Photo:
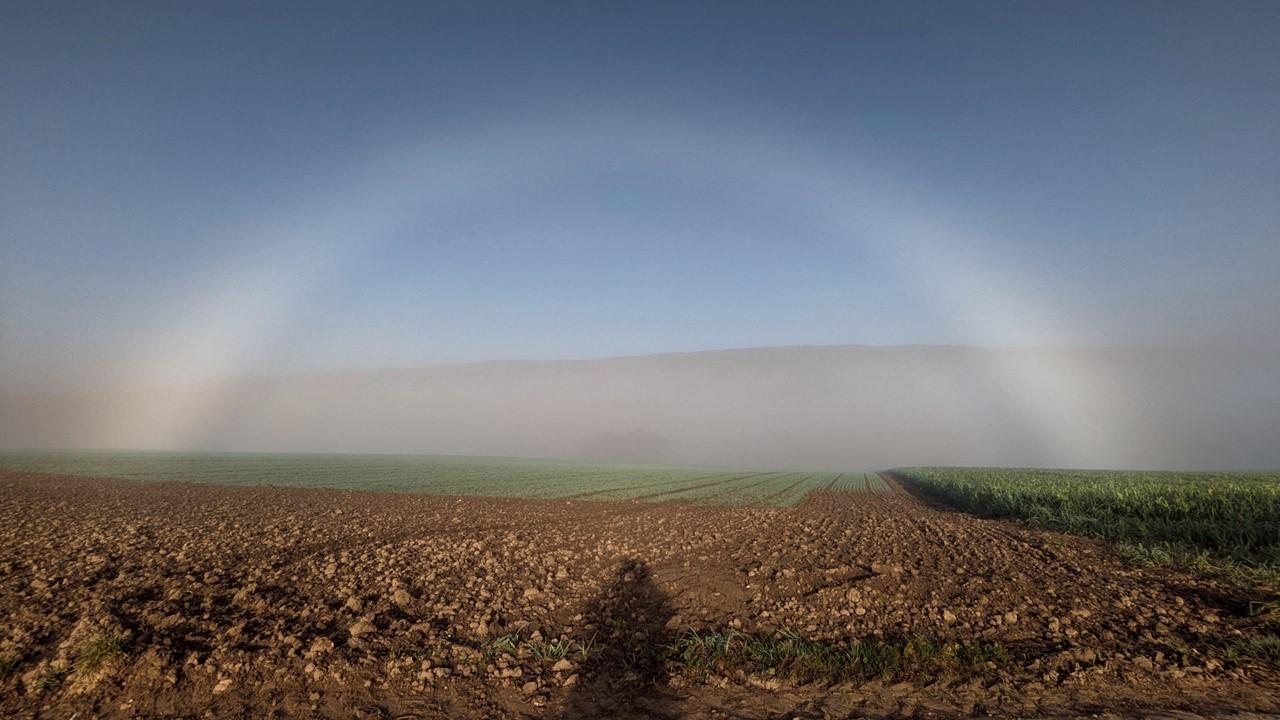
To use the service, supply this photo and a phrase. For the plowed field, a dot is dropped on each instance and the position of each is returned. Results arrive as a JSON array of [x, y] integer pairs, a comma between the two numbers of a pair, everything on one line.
[[124, 599]]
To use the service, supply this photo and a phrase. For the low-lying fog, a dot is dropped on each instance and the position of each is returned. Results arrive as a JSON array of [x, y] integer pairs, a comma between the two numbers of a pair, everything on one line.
[[849, 407]]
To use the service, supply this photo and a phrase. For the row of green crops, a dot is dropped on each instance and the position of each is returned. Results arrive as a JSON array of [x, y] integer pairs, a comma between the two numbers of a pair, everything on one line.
[[861, 482], [1234, 516], [448, 475]]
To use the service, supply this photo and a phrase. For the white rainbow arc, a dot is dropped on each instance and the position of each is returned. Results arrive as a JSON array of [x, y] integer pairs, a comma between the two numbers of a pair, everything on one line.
[[298, 250]]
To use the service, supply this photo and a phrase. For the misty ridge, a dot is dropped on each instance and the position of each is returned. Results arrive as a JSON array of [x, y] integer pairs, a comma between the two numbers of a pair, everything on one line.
[[837, 407]]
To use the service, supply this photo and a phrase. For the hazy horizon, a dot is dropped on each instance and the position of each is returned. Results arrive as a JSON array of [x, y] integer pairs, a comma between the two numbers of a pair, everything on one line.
[[811, 407]]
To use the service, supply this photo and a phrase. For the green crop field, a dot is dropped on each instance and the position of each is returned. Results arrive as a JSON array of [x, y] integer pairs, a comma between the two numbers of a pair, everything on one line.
[[451, 475], [1200, 517]]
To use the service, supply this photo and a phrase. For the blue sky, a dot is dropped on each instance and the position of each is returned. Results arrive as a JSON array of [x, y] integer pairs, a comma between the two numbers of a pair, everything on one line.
[[233, 189]]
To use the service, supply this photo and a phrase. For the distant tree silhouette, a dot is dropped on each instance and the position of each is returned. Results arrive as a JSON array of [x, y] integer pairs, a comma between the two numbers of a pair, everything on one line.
[[635, 446]]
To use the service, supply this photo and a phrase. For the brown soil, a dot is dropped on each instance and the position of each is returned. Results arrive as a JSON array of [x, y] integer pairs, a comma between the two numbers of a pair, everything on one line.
[[270, 602]]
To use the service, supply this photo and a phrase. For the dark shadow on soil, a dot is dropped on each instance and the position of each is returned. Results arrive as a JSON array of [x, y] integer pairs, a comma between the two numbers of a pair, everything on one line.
[[629, 620]]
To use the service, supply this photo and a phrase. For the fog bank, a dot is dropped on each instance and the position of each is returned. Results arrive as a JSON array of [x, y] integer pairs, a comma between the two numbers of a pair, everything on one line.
[[847, 407]]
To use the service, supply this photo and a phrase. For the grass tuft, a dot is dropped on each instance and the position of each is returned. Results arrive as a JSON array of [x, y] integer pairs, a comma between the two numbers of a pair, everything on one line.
[[1267, 610], [504, 645], [1263, 648], [552, 650], [51, 678], [96, 652]]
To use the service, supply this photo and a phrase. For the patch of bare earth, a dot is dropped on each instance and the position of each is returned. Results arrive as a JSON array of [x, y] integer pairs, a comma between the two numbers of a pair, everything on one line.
[[129, 599]]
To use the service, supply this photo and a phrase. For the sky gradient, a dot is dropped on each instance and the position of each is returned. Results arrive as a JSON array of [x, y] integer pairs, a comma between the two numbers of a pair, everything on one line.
[[204, 191]]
